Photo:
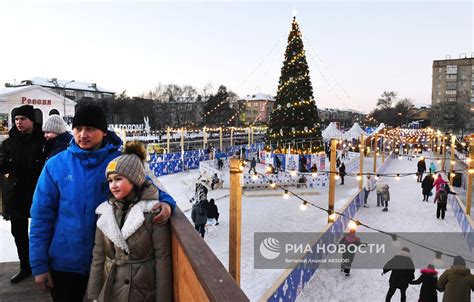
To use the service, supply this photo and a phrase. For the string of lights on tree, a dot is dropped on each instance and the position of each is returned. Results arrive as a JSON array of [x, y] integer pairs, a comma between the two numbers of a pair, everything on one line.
[[294, 114]]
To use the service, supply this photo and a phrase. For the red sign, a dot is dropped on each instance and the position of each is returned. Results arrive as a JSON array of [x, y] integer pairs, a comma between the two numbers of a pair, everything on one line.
[[25, 100]]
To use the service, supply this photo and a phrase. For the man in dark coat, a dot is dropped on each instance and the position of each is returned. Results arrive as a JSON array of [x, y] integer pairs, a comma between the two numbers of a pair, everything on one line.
[[421, 169], [403, 272], [22, 158], [342, 172], [199, 216]]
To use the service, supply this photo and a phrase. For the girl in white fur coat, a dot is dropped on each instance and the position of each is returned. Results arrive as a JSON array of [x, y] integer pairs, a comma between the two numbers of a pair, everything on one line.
[[131, 256]]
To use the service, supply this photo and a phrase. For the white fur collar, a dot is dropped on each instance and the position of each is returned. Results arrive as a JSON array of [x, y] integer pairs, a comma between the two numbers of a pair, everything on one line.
[[108, 224]]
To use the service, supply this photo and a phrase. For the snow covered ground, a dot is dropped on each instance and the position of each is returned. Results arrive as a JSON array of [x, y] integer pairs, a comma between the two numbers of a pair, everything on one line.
[[259, 214], [275, 214], [407, 213]]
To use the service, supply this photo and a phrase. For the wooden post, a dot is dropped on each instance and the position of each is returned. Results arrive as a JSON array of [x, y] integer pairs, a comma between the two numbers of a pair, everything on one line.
[[375, 153], [220, 138], [332, 177], [443, 150], [248, 139], [451, 174], [231, 136], [383, 149], [168, 137], [204, 138], [361, 161], [470, 176], [251, 134], [235, 219], [431, 142], [182, 146]]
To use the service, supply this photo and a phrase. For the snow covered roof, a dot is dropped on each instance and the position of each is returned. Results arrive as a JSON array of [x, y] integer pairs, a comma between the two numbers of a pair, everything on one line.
[[380, 127], [58, 83], [355, 132], [259, 97], [331, 131], [11, 90]]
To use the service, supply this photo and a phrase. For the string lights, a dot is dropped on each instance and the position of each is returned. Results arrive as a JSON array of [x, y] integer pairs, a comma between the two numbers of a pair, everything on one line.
[[354, 224]]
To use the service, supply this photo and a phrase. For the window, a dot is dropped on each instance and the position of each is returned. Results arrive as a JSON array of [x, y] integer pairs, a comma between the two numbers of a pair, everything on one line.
[[451, 92], [440, 69], [438, 92], [88, 94], [451, 69], [451, 77], [464, 84], [451, 85], [438, 86], [450, 100], [70, 92]]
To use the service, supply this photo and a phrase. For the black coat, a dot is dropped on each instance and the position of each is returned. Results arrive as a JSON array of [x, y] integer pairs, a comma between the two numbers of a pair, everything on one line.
[[428, 281], [212, 210], [342, 170], [58, 144], [421, 166], [403, 270], [427, 184], [22, 158]]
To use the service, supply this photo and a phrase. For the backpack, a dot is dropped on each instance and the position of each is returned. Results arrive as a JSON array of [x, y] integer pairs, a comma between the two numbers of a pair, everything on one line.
[[442, 196]]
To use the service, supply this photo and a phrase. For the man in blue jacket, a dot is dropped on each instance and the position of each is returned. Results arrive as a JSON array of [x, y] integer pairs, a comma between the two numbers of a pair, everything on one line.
[[63, 220]]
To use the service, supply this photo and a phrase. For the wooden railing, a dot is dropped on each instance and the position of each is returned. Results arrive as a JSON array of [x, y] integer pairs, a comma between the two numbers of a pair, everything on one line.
[[198, 275]]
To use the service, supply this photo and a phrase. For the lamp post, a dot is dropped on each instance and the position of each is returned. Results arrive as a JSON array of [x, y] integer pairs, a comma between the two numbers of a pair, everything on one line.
[[400, 114], [64, 97]]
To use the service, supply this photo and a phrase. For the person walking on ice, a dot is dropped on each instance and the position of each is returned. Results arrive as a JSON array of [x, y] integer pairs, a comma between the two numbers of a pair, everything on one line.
[[383, 194], [368, 187], [428, 280], [421, 165], [427, 186]]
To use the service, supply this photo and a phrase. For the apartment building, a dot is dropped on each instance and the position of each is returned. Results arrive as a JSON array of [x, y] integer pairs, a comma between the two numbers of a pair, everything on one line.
[[452, 97]]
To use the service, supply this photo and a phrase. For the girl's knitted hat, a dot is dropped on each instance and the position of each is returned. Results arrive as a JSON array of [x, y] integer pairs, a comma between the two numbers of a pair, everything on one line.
[[130, 164]]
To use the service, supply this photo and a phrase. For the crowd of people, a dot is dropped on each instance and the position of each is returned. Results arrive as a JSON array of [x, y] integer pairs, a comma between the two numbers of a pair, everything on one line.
[[59, 182]]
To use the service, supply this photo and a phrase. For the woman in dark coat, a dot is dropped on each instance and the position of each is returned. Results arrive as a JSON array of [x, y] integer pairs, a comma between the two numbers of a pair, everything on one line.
[[427, 185], [342, 172], [212, 211], [428, 281], [56, 135]]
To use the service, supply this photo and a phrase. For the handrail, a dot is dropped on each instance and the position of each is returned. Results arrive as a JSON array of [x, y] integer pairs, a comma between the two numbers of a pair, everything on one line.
[[198, 275]]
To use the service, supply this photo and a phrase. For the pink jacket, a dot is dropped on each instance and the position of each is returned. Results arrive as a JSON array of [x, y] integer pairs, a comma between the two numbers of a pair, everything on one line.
[[439, 182]]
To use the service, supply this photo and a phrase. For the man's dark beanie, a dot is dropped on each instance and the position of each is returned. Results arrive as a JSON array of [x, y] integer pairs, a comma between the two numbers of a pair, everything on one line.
[[458, 260], [91, 116], [26, 110]]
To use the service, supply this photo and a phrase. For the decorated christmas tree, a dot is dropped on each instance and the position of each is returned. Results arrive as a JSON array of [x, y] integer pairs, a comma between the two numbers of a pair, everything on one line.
[[294, 114]]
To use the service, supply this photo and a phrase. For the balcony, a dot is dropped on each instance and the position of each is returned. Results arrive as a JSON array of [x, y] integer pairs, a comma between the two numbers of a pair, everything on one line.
[[451, 77], [451, 92]]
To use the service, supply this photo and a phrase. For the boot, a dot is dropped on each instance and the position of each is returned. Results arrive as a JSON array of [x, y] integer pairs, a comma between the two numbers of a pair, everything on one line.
[[20, 275], [385, 209]]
